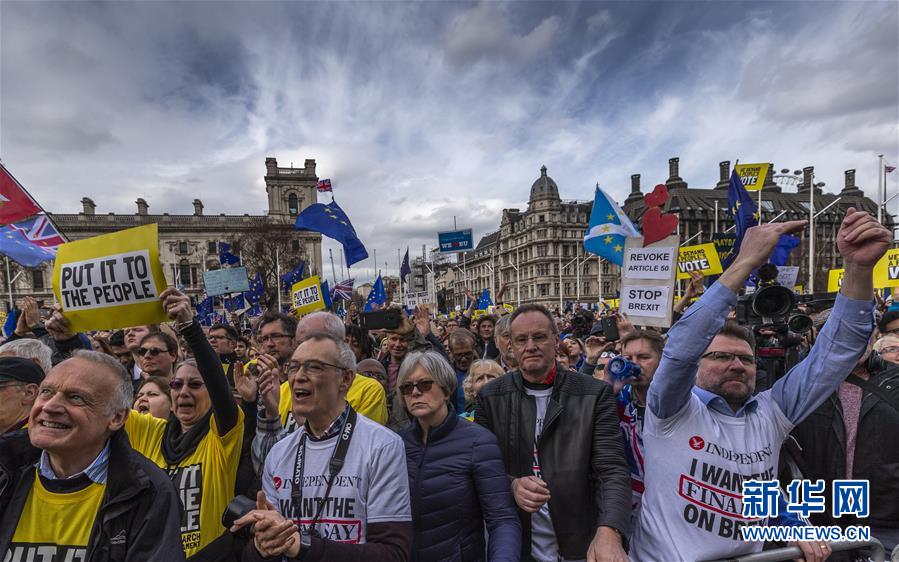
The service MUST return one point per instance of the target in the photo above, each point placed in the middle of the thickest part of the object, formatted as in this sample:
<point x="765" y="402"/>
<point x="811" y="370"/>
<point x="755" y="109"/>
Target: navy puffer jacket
<point x="458" y="483"/>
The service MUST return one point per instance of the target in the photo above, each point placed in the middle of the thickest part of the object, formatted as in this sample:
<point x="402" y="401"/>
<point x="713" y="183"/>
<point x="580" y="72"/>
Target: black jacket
<point x="822" y="439"/>
<point x="457" y="483"/>
<point x="581" y="454"/>
<point x="139" y="517"/>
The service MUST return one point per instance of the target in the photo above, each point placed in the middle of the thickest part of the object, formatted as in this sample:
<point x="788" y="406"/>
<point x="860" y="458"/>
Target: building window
<point x="193" y="276"/>
<point x="295" y="246"/>
<point x="293" y="205"/>
<point x="212" y="247"/>
<point x="184" y="273"/>
<point x="37" y="278"/>
<point x="259" y="246"/>
<point x="542" y="218"/>
<point x="182" y="247"/>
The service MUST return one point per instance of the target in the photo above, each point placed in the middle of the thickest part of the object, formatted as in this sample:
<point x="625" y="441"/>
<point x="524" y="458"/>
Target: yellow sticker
<point x="111" y="281"/>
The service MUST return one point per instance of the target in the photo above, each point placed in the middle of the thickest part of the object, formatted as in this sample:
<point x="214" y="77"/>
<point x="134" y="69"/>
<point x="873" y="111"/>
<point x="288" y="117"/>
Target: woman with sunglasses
<point x="457" y="480"/>
<point x="157" y="355"/>
<point x="199" y="445"/>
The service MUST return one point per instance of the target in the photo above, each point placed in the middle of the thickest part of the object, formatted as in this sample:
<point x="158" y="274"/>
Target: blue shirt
<point x="97" y="471"/>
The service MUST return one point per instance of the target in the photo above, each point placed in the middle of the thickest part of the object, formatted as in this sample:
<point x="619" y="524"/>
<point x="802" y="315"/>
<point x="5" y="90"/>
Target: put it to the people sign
<point x="111" y="281"/>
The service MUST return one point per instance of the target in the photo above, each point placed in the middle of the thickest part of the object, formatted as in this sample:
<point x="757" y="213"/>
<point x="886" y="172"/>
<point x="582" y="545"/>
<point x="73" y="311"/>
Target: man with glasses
<point x="703" y="440"/>
<point x="462" y="346"/>
<point x="223" y="339"/>
<point x="337" y="488"/>
<point x="19" y="379"/>
<point x="562" y="447"/>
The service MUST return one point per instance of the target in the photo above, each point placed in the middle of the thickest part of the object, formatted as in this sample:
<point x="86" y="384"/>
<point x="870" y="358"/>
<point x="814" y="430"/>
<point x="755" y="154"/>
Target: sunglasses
<point x="151" y="351"/>
<point x="422" y="386"/>
<point x="178" y="384"/>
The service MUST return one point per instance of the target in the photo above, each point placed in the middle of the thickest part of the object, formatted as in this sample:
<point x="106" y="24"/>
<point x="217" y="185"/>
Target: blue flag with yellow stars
<point x="377" y="295"/>
<point x="16" y="245"/>
<point x="609" y="227"/>
<point x="331" y="221"/>
<point x="744" y="212"/>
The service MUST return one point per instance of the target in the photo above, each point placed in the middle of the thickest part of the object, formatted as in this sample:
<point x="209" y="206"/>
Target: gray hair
<point x="29" y="348"/>
<point x="436" y="365"/>
<point x="503" y="325"/>
<point x="345" y="352"/>
<point x="331" y="325"/>
<point x="124" y="393"/>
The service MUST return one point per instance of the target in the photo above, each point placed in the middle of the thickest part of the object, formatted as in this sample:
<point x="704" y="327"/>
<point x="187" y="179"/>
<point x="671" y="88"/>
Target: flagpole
<point x="375" y="262"/>
<point x="399" y="271"/>
<point x="599" y="278"/>
<point x="577" y="262"/>
<point x="560" y="279"/>
<point x="333" y="271"/>
<point x="9" y="285"/>
<point x="880" y="188"/>
<point x="278" y="274"/>
<point x="811" y="237"/>
<point x="343" y="264"/>
<point x="716" y="217"/>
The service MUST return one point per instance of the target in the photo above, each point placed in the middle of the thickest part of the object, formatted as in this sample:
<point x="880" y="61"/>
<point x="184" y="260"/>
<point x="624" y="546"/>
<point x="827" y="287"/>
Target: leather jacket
<point x="581" y="454"/>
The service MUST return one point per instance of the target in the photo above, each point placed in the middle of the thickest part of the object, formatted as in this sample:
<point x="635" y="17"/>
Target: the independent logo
<point x="277" y="482"/>
<point x="697" y="443"/>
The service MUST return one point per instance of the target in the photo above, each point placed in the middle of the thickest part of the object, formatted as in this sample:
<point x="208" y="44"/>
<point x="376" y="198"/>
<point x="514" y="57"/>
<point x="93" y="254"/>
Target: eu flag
<point x="16" y="245"/>
<point x="743" y="210"/>
<point x="485" y="301"/>
<point x="225" y="255"/>
<point x="205" y="310"/>
<point x="609" y="227"/>
<point x="257" y="290"/>
<point x="326" y="295"/>
<point x="331" y="221"/>
<point x="377" y="296"/>
<point x="10" y="325"/>
<point x="294" y="276"/>
<point x="781" y="253"/>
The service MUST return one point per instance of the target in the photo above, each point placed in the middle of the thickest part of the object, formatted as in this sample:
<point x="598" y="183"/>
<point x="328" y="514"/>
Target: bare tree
<point x="263" y="247"/>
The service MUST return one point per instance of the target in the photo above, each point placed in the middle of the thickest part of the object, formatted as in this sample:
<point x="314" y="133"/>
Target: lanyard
<point x="334" y="466"/>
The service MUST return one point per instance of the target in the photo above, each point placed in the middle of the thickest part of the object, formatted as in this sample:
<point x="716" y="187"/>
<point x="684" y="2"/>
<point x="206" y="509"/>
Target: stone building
<point x="188" y="243"/>
<point x="538" y="253"/>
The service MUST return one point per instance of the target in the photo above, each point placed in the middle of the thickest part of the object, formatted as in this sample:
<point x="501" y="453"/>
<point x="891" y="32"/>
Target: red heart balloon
<point x="657" y="226"/>
<point x="658" y="197"/>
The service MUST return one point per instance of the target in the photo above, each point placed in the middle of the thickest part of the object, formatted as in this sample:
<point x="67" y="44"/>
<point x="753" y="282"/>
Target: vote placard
<point x="111" y="281"/>
<point x="834" y="280"/>
<point x="701" y="257"/>
<point x="306" y="296"/>
<point x="886" y="272"/>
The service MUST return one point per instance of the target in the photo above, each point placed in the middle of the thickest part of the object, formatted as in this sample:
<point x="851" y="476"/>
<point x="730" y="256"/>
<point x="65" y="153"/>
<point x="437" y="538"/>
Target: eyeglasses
<point x="891" y="349"/>
<point x="178" y="384"/>
<point x="726" y="357"/>
<point x="422" y="386"/>
<point x="271" y="337"/>
<point x="216" y="338"/>
<point x="538" y="339"/>
<point x="311" y="367"/>
<point x="151" y="351"/>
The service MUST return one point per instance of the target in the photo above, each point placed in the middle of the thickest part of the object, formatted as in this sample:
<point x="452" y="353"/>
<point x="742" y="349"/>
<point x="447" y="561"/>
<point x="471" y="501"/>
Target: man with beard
<point x="462" y="347"/>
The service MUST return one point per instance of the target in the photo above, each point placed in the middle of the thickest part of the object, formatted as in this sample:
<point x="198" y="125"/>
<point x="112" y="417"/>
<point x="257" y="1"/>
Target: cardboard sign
<point x="225" y="281"/>
<point x="111" y="281"/>
<point x="834" y="280"/>
<point x="752" y="175"/>
<point x="787" y="274"/>
<point x="646" y="300"/>
<point x="654" y="262"/>
<point x="306" y="296"/>
<point x="886" y="272"/>
<point x="701" y="257"/>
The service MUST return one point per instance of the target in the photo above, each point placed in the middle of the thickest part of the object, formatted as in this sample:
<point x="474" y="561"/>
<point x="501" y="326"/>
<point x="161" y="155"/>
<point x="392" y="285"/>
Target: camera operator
<point x="718" y="422"/>
<point x="852" y="436"/>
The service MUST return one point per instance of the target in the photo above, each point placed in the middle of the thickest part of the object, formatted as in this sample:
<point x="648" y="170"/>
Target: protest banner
<point x="647" y="281"/>
<point x="787" y="274"/>
<point x="111" y="281"/>
<point x="752" y="175"/>
<point x="886" y="271"/>
<point x="701" y="257"/>
<point x="724" y="243"/>
<point x="225" y="281"/>
<point x="306" y="296"/>
<point x="834" y="280"/>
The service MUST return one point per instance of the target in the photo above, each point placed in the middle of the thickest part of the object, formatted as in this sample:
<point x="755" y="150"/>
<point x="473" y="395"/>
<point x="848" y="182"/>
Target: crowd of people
<point x="476" y="437"/>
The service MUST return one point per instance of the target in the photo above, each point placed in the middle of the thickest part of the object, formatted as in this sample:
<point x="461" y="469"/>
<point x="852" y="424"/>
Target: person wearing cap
<point x="19" y="380"/>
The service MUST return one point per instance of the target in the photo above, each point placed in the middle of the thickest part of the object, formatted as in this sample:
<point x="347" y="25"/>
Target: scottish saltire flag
<point x="485" y="301"/>
<point x="324" y="186"/>
<point x="343" y="290"/>
<point x="609" y="227"/>
<point x="744" y="212"/>
<point x="377" y="296"/>
<point x="331" y="221"/>
<point x="225" y="255"/>
<point x="39" y="230"/>
<point x="294" y="276"/>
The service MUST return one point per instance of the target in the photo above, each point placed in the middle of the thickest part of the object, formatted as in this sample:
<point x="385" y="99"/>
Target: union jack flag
<point x="324" y="185"/>
<point x="343" y="290"/>
<point x="40" y="231"/>
<point x="887" y="168"/>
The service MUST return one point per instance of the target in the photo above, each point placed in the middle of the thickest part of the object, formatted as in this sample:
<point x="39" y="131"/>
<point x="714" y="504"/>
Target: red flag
<point x="15" y="203"/>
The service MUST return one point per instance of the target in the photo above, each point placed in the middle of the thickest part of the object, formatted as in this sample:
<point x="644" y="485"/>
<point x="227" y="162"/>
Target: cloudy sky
<point x="422" y="111"/>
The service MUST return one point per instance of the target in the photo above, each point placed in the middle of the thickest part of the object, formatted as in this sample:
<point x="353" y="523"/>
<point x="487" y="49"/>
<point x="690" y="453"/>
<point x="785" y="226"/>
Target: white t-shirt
<point x="696" y="462"/>
<point x="372" y="487"/>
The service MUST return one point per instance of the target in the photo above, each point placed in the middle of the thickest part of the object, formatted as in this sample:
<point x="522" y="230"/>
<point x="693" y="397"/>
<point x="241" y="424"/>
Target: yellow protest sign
<point x="307" y="296"/>
<point x="509" y="308"/>
<point x="834" y="280"/>
<point x="613" y="303"/>
<point x="479" y="313"/>
<point x="752" y="175"/>
<point x="111" y="281"/>
<point x="886" y="272"/>
<point x="701" y="257"/>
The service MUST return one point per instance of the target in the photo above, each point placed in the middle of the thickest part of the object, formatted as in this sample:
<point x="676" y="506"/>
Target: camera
<point x="621" y="368"/>
<point x="237" y="508"/>
<point x="581" y="323"/>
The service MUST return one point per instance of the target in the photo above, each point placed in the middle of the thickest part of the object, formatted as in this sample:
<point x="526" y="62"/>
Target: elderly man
<point x="19" y="380"/>
<point x="716" y="434"/>
<point x="562" y="448"/>
<point x="462" y="346"/>
<point x="504" y="344"/>
<point x="359" y="508"/>
<point x="72" y="488"/>
<point x="28" y="348"/>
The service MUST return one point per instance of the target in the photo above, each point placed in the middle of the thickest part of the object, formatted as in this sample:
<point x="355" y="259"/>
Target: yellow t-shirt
<point x="205" y="479"/>
<point x="366" y="396"/>
<point x="56" y="526"/>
